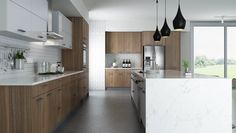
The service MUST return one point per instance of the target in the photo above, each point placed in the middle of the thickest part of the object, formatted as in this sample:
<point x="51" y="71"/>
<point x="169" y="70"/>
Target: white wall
<point x="186" y="49"/>
<point x="37" y="51"/>
<point x="97" y="55"/>
<point x="141" y="25"/>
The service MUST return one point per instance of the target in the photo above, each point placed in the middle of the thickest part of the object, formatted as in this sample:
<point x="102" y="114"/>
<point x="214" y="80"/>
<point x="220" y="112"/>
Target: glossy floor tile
<point x="108" y="111"/>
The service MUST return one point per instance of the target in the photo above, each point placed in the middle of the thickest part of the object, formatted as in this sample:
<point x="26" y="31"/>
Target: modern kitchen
<point x="99" y="66"/>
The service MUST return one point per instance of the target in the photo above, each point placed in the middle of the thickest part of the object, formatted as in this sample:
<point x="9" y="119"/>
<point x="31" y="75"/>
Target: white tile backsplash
<point x="37" y="52"/>
<point x="134" y="58"/>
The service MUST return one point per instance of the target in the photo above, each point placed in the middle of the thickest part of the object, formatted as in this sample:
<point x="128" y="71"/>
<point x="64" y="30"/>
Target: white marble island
<point x="179" y="104"/>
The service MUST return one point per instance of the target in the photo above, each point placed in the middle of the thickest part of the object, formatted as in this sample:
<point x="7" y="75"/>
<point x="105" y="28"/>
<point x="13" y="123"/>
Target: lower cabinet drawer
<point x="40" y="89"/>
<point x="117" y="78"/>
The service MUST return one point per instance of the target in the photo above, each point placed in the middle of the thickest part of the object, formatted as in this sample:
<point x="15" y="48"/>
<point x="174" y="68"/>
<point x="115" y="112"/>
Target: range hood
<point x="54" y="35"/>
<point x="50" y="33"/>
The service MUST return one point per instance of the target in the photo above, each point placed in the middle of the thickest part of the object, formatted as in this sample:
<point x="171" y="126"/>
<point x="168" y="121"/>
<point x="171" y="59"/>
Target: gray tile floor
<point x="108" y="111"/>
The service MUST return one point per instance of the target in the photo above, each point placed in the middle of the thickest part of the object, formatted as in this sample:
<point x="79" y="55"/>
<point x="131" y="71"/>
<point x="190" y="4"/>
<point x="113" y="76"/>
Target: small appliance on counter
<point x="46" y="68"/>
<point x="114" y="64"/>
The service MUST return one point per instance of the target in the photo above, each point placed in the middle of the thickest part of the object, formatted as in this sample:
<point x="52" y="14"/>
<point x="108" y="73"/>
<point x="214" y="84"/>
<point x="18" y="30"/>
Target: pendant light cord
<point x="157" y="12"/>
<point x="165" y="8"/>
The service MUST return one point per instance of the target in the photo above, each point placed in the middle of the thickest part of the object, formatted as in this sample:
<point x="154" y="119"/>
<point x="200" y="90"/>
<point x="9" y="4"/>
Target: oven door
<point x="84" y="56"/>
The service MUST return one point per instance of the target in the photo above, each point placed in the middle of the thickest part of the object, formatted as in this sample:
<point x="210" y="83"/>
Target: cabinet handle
<point x="64" y="44"/>
<point x="143" y="91"/>
<point x="40" y="37"/>
<point x="21" y="30"/>
<point x="39" y="99"/>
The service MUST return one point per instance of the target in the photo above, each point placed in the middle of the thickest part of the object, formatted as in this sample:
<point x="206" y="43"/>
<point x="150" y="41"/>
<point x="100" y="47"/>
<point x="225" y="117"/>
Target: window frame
<point x="211" y="24"/>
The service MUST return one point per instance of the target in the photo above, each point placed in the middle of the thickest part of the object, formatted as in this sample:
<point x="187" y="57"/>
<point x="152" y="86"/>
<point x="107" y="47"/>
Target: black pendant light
<point x="179" y="22"/>
<point x="157" y="34"/>
<point x="165" y="30"/>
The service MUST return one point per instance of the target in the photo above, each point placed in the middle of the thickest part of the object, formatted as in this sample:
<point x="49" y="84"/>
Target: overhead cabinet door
<point x="23" y="3"/>
<point x="132" y="42"/>
<point x="20" y="23"/>
<point x="18" y="19"/>
<point x="123" y="42"/>
<point x="40" y="8"/>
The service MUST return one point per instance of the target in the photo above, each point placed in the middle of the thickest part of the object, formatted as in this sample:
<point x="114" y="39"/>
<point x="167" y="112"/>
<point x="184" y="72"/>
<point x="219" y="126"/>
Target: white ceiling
<point x="135" y="10"/>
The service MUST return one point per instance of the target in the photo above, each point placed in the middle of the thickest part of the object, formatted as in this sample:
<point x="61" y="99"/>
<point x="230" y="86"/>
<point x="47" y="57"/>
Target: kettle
<point x="60" y="68"/>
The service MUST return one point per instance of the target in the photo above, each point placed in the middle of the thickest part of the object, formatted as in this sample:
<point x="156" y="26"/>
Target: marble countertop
<point x="169" y="74"/>
<point x="31" y="80"/>
<point x="132" y="68"/>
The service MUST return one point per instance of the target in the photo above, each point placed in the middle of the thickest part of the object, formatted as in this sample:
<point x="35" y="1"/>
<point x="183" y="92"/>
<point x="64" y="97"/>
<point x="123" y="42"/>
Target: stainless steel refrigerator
<point x="153" y="55"/>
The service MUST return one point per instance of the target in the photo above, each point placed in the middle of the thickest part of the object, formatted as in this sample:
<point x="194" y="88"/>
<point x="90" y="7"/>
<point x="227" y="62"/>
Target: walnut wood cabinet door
<point x="74" y="93"/>
<point x="109" y="78"/>
<point x="66" y="97"/>
<point x="59" y="105"/>
<point x="147" y="39"/>
<point x="127" y="81"/>
<point x="85" y="31"/>
<point x="114" y="42"/>
<point x="51" y="102"/>
<point x="39" y="108"/>
<point x="118" y="77"/>
<point x="172" y="54"/>
<point x="132" y="42"/>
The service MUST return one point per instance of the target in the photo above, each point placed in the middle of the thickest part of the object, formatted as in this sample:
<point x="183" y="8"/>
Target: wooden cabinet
<point x="85" y="31"/>
<point x="51" y="111"/>
<point x="73" y="59"/>
<point x="127" y="78"/>
<point x="147" y="39"/>
<point x="45" y="111"/>
<point x="114" y="42"/>
<point x="26" y="25"/>
<point x="132" y="42"/>
<point x="123" y="42"/>
<point x="109" y="81"/>
<point x="172" y="51"/>
<point x="40" y="108"/>
<point x="116" y="78"/>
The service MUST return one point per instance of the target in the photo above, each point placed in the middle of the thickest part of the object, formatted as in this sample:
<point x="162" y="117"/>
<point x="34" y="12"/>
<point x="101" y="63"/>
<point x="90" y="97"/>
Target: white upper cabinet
<point x="38" y="28"/>
<point x="23" y="3"/>
<point x="40" y="8"/>
<point x="62" y="26"/>
<point x="17" y="21"/>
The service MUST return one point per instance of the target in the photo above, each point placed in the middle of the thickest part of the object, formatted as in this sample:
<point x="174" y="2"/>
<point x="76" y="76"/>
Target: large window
<point x="215" y="50"/>
<point x="231" y="52"/>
